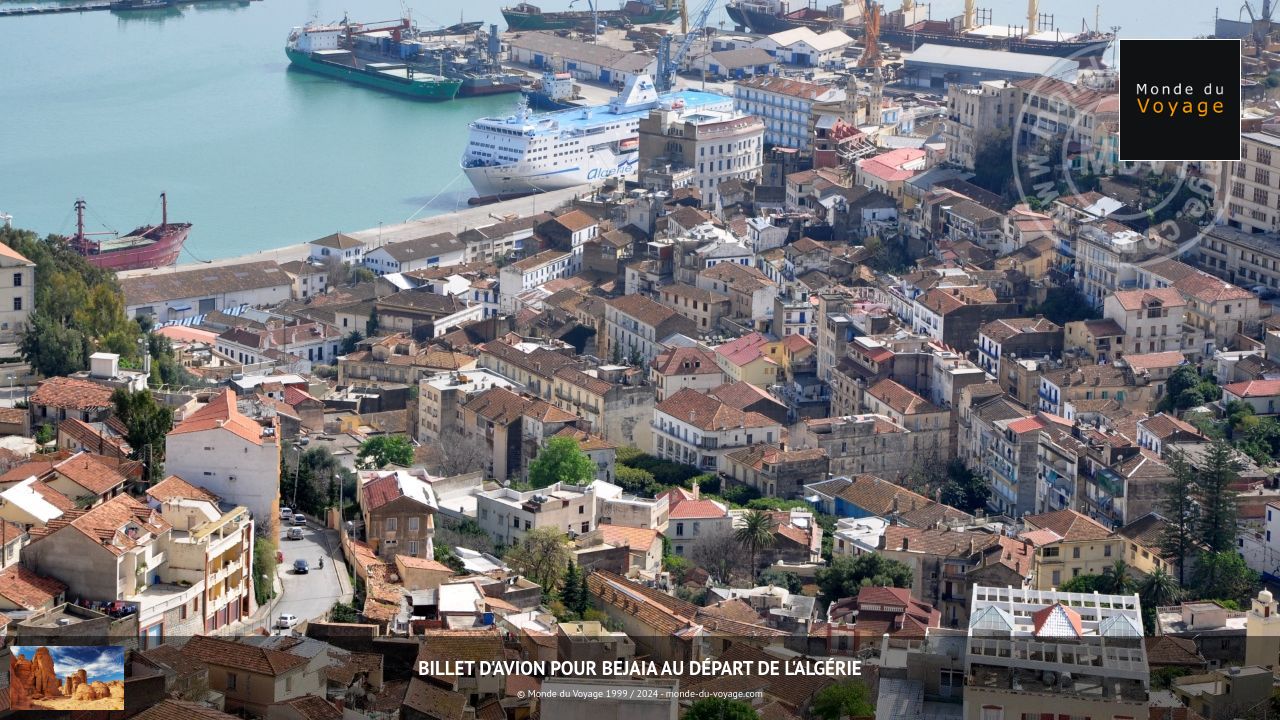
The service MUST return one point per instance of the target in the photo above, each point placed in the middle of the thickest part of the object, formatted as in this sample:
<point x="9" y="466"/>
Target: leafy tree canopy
<point x="846" y="575"/>
<point x="561" y="461"/>
<point x="384" y="450"/>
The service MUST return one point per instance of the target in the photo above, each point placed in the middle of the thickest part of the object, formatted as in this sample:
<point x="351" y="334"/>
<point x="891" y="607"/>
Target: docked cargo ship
<point x="555" y="91"/>
<point x="318" y="49"/>
<point x="473" y="61"/>
<point x="126" y="5"/>
<point x="910" y="28"/>
<point x="532" y="152"/>
<point x="145" y="247"/>
<point x="526" y="16"/>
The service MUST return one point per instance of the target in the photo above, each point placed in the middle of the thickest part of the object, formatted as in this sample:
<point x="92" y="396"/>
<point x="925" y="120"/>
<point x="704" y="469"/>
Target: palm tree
<point x="1159" y="589"/>
<point x="756" y="532"/>
<point x="1118" y="579"/>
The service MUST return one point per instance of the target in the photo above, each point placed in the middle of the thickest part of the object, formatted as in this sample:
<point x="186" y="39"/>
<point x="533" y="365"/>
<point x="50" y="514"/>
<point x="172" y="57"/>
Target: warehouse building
<point x="585" y="61"/>
<point x="934" y="67"/>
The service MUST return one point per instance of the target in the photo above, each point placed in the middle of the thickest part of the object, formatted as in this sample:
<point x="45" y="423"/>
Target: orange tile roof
<point x="26" y="589"/>
<point x="227" y="653"/>
<point x="87" y="471"/>
<point x="105" y="523"/>
<point x="1069" y="525"/>
<point x="72" y="393"/>
<point x="1137" y="299"/>
<point x="175" y="487"/>
<point x="901" y="398"/>
<point x="632" y="537"/>
<point x="221" y="412"/>
<point x="1253" y="388"/>
<point x="709" y="414"/>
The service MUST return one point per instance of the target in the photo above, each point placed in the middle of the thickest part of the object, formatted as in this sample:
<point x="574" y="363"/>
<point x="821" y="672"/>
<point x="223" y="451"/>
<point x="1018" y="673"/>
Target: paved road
<point x="309" y="596"/>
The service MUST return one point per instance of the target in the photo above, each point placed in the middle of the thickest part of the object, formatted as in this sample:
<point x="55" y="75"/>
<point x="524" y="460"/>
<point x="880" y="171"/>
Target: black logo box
<point x="1179" y="137"/>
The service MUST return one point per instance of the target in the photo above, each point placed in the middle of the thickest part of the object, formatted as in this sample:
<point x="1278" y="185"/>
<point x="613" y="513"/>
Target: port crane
<point x="669" y="63"/>
<point x="1261" y="24"/>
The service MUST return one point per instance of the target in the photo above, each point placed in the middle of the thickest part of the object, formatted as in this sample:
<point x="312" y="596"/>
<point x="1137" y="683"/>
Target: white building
<point x="714" y="145"/>
<point x="802" y="46"/>
<point x="786" y="106"/>
<point x="339" y="246"/>
<point x="173" y="294"/>
<point x="439" y="250"/>
<point x="696" y="429"/>
<point x="508" y="514"/>
<point x="527" y="274"/>
<point x="231" y="455"/>
<point x="1080" y="654"/>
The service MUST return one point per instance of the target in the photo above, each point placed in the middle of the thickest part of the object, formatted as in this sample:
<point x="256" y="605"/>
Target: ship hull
<point x="766" y="24"/>
<point x="510" y="180"/>
<point x="539" y="100"/>
<point x="162" y="252"/>
<point x="436" y="91"/>
<point x="478" y="86"/>
<point x="569" y="20"/>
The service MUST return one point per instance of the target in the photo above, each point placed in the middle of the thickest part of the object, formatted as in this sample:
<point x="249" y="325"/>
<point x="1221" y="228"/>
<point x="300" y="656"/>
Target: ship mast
<point x="79" y="218"/>
<point x="164" y="211"/>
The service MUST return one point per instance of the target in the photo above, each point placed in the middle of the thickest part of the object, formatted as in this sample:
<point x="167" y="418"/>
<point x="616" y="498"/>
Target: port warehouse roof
<point x="549" y="45"/>
<point x="161" y="285"/>
<point x="996" y="61"/>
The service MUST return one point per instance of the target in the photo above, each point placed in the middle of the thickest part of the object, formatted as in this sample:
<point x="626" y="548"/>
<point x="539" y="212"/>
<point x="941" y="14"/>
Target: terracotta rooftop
<point x="221" y="413"/>
<point x="1002" y="330"/>
<point x="72" y="393"/>
<point x="91" y="473"/>
<point x="709" y="414"/>
<point x="26" y="589"/>
<point x="170" y="709"/>
<point x="1068" y="524"/>
<point x="1138" y="299"/>
<point x="254" y="659"/>
<point x="1253" y="388"/>
<point x="107" y="525"/>
<point x="900" y="398"/>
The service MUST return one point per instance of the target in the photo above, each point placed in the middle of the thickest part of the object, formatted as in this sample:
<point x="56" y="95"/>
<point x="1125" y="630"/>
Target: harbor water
<point x="199" y="102"/>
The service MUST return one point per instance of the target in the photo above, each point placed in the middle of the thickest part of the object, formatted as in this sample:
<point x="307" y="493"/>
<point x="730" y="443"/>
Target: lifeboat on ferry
<point x="629" y="144"/>
<point x="677" y="104"/>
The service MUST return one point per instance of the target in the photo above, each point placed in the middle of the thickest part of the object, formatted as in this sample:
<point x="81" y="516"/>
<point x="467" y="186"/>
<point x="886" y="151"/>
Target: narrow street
<point x="310" y="595"/>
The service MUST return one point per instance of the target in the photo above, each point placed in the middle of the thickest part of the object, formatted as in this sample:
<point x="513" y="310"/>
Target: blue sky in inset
<point x="101" y="663"/>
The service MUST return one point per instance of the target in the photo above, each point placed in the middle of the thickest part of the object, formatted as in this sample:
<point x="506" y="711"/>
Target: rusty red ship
<point x="144" y="247"/>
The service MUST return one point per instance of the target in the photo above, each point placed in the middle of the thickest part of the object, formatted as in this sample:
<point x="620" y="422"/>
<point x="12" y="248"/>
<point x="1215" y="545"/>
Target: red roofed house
<point x="697" y="429"/>
<point x="752" y="358"/>
<point x="399" y="514"/>
<point x="684" y="367"/>
<point x="1069" y="544"/>
<point x="59" y="398"/>
<point x="693" y="519"/>
<point x="231" y="455"/>
<point x="888" y="172"/>
<point x="1262" y="395"/>
<point x="252" y="678"/>
<point x="863" y="620"/>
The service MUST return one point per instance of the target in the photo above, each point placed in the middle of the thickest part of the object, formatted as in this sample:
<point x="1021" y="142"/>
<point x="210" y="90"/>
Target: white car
<point x="299" y="519"/>
<point x="295" y="533"/>
<point x="285" y="513"/>
<point x="286" y="621"/>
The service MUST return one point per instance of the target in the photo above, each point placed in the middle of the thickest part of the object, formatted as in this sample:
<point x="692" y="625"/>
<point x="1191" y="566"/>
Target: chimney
<point x="697" y="494"/>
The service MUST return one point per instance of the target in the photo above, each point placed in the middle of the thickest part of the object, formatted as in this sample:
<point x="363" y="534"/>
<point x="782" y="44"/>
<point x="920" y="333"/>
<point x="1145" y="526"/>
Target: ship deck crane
<point x="668" y="63"/>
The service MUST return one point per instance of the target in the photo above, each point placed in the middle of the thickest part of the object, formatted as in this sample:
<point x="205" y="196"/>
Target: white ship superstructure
<point x="527" y="152"/>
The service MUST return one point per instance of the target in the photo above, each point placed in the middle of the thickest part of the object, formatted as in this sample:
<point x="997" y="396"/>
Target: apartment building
<point x="500" y="240"/>
<point x="1017" y="337"/>
<point x="703" y="307"/>
<point x="208" y="546"/>
<point x="786" y="106"/>
<point x="1028" y="650"/>
<point x="442" y="395"/>
<point x="692" y="519"/>
<point x="230" y="454"/>
<point x="529" y="273"/>
<point x="700" y="149"/>
<point x="508" y="514"/>
<point x="612" y="401"/>
<point x="867" y="443"/>
<point x="976" y="113"/>
<point x="684" y="367"/>
<point x="635" y="326"/>
<point x="1247" y="189"/>
<point x="1069" y="544"/>
<point x="1152" y="320"/>
<point x="1070" y="113"/>
<point x="697" y="429"/>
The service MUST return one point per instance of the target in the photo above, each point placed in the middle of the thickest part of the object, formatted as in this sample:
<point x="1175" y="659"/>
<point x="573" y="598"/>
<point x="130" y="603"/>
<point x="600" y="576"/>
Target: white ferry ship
<point x="528" y="152"/>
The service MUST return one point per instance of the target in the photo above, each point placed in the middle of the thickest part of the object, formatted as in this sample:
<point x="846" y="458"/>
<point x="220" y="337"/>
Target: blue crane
<point x="668" y="63"/>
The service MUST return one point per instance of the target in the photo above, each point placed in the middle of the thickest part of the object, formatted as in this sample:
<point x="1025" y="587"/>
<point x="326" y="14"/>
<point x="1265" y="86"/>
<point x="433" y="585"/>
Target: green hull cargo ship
<point x="319" y="49"/>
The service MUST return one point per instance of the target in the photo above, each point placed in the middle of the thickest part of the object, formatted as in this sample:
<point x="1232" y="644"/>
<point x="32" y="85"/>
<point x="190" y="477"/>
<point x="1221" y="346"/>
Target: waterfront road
<point x="455" y="222"/>
<point x="310" y="595"/>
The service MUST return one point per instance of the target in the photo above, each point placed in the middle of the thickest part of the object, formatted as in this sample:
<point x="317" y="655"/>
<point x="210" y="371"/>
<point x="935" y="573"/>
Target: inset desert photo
<point x="69" y="677"/>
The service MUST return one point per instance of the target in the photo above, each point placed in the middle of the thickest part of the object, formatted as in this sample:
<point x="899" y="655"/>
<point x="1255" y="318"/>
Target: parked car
<point x="285" y="513"/>
<point x="299" y="519"/>
<point x="300" y="566"/>
<point x="295" y="533"/>
<point x="286" y="621"/>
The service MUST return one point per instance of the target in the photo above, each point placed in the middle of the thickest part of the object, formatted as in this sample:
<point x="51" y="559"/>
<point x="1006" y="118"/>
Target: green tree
<point x="264" y="568"/>
<point x="45" y="434"/>
<point x="1158" y="589"/>
<point x="1216" y="473"/>
<point x="720" y="708"/>
<point x="1118" y="580"/>
<point x="849" y="698"/>
<point x="1224" y="575"/>
<point x="1084" y="583"/>
<point x="1179" y="506"/>
<point x="756" y="532"/>
<point x="147" y="423"/>
<point x="571" y="591"/>
<point x="51" y="348"/>
<point x="371" y="327"/>
<point x="444" y="554"/>
<point x="634" y="480"/>
<point x="782" y="579"/>
<point x="964" y="489"/>
<point x="561" y="461"/>
<point x="384" y="450"/>
<point x="350" y="341"/>
<point x="342" y="613"/>
<point x="541" y="556"/>
<point x="846" y="575"/>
